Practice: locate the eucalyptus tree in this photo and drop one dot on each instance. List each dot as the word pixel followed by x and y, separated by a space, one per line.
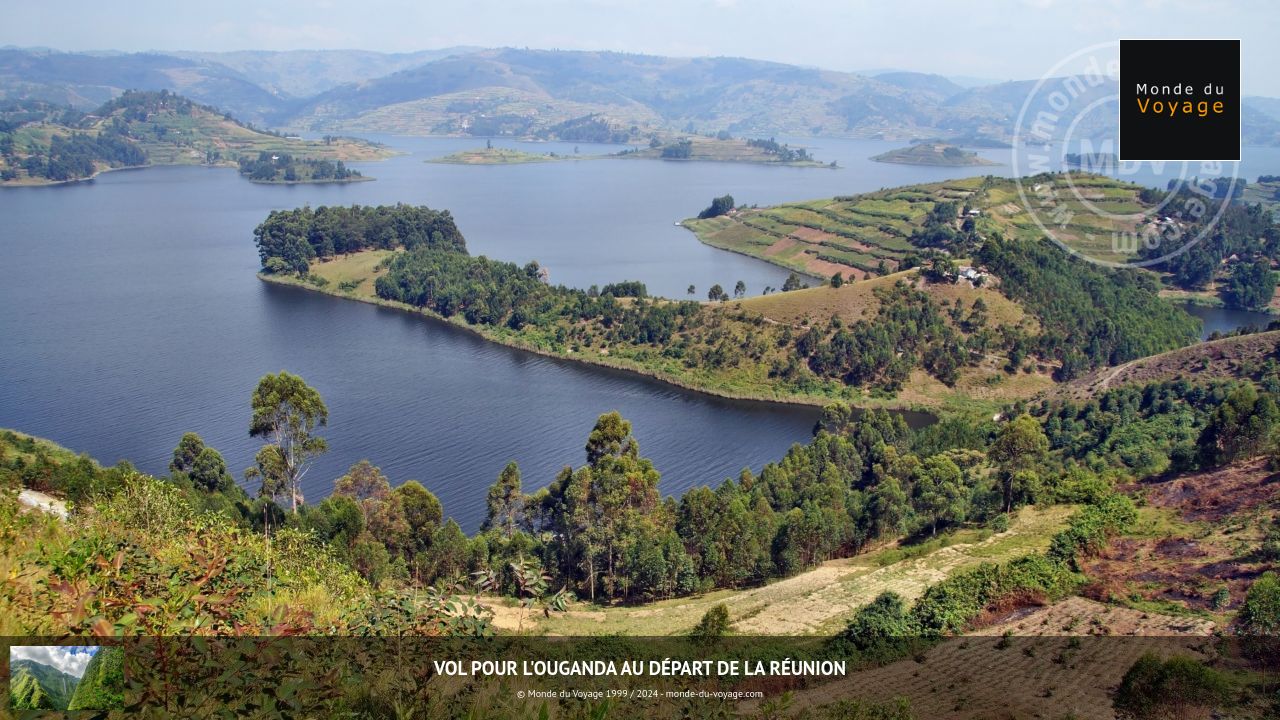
pixel 286 412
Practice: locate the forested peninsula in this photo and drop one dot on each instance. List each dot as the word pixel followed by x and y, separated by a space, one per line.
pixel 921 336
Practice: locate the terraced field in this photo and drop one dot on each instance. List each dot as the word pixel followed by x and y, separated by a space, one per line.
pixel 869 234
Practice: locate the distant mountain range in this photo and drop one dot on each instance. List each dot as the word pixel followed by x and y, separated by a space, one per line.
pixel 527 93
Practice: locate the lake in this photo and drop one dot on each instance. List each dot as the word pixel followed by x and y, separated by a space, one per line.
pixel 130 313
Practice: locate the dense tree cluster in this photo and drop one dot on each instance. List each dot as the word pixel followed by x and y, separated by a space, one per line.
pixel 719 206
pixel 1089 316
pixel 589 129
pixel 784 153
pixel 910 330
pixel 500 294
pixel 78 155
pixel 1244 239
pixel 289 239
pixel 280 167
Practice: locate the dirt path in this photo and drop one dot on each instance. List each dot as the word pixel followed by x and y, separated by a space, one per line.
pixel 47 503
pixel 819 601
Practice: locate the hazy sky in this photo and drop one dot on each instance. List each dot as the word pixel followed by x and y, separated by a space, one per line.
pixel 999 39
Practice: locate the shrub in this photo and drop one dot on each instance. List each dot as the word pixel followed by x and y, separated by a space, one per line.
pixel 1173 688
pixel 713 625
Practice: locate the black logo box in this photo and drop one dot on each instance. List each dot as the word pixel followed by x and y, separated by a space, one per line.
pixel 1186 65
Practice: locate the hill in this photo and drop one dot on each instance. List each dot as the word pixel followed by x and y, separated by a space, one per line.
pixel 527 93
pixel 42 143
pixel 102 686
pixel 930 153
pixel 86 81
pixel 1242 356
pixel 303 73
pixel 855 234
pixel 35 685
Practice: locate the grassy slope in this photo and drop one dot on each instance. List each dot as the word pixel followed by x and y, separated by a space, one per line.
pixel 1223 358
pixel 984 386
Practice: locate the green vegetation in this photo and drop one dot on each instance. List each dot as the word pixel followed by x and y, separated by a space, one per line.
pixel 724 148
pixel 719 206
pixel 926 153
pixel 35 686
pixel 288 240
pixel 1089 316
pixel 272 168
pixel 1179 686
pixel 42 143
pixel 102 685
pixel 1236 250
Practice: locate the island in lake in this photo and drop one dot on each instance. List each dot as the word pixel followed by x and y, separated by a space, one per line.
pixel 723 148
pixel 930 153
pixel 284 169
pixel 498 156
pixel 719 148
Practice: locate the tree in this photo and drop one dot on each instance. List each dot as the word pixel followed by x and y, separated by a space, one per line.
pixel 940 491
pixel 1260 614
pixel 209 472
pixel 287 412
pixel 1258 621
pixel 837 279
pixel 505 501
pixel 1242 425
pixel 888 506
pixel 739 289
pixel 693 290
pixel 793 282
pixel 610 436
pixel 1019 445
pixel 184 456
pixel 601 511
pixel 717 293
pixel 1251 285
pixel 422 510
pixel 384 515
pixel 363 482
pixel 532 585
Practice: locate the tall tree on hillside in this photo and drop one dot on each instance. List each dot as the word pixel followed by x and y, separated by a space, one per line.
pixel 505 501
pixel 286 411
pixel 940 492
pixel 604 509
pixel 1018 446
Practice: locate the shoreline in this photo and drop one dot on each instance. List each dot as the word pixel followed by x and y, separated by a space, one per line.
pixel 605 361
pixel 362 178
